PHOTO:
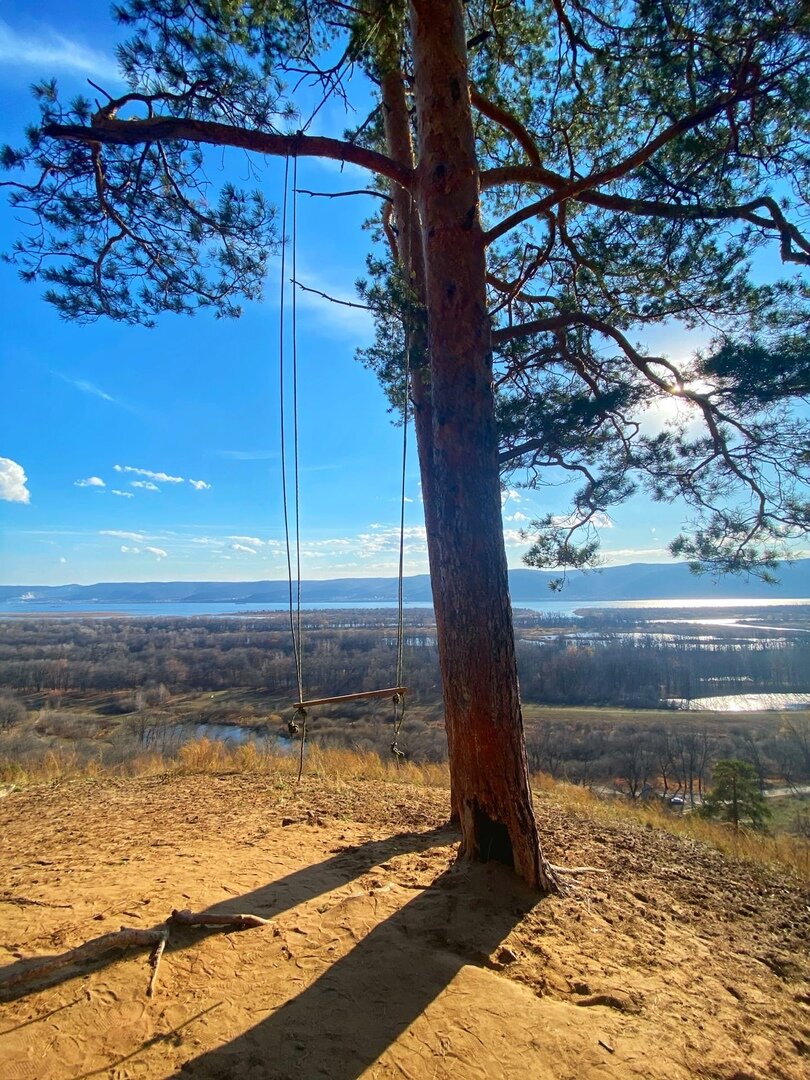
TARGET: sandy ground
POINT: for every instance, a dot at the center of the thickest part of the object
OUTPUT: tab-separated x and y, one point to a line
383	957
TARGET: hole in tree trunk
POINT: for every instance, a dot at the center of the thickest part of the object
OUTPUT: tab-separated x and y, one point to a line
492	839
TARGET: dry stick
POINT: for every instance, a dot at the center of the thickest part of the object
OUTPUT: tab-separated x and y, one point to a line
23	901
204	918
577	869
154	960
128	937
125	938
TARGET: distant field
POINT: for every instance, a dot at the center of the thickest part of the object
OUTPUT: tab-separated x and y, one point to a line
109	690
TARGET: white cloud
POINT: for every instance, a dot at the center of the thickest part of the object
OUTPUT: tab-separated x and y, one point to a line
625	555
91	388
13	481
51	51
200	485
517	516
138	538
123	494
145	485
254	541
160	477
510	495
62	559
90	481
385	540
244	549
159	553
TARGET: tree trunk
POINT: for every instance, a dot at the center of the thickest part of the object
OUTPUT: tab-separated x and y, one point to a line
410	255
465	533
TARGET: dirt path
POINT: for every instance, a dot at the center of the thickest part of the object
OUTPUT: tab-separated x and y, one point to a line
383	958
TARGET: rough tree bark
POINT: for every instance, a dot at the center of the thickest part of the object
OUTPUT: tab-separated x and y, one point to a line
465	536
410	255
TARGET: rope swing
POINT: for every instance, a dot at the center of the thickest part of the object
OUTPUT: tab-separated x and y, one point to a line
298	723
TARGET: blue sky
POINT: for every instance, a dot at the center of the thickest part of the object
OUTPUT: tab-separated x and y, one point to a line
135	454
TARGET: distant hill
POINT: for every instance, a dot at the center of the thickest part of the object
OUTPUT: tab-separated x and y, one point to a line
636	581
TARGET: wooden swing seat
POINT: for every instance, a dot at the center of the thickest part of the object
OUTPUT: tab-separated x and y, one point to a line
391	691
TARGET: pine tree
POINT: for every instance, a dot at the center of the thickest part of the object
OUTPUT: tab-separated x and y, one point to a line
556	177
735	794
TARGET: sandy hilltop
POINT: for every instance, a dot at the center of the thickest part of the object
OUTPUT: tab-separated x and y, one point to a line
383	957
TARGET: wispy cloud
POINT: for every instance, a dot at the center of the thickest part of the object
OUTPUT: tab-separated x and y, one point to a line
157	476
254	541
248	455
90	481
87	387
625	555
50	51
244	549
137	538
13	481
123	494
159	553
160	477
339	319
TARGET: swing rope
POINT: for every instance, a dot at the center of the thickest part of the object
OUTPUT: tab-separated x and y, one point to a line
399	699
397	693
294	606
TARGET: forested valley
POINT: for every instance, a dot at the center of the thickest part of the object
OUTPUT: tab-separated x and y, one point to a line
601	690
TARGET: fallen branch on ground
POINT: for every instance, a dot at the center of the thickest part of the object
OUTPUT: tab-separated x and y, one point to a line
126	938
204	918
578	869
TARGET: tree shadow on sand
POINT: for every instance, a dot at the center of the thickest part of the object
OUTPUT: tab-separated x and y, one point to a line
269	901
363	1002
340	1024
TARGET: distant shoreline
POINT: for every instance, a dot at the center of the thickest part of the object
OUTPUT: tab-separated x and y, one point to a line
671	606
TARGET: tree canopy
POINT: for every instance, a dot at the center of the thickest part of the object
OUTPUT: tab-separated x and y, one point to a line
554	180
635	160
735	794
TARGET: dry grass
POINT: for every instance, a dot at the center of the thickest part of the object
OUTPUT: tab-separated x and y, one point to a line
781	849
212	756
207	756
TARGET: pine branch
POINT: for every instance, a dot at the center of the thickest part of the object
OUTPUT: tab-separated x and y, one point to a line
110	131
